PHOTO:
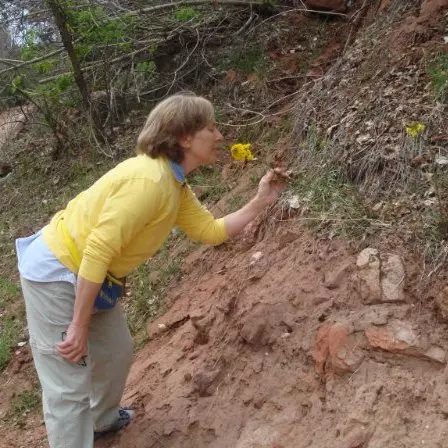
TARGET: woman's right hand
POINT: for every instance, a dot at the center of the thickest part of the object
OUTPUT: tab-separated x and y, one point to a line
74	346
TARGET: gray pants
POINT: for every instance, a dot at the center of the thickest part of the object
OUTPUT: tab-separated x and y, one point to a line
77	399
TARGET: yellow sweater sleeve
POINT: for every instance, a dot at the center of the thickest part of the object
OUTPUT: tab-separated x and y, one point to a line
197	222
130	205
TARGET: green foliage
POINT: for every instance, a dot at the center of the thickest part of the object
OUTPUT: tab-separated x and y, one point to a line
185	14
9	334
250	61
146	68
17	83
438	73
54	92
46	66
95	29
8	291
209	178
149	283
24	403
333	205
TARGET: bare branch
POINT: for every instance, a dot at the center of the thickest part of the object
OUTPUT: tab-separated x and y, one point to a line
185	62
96	64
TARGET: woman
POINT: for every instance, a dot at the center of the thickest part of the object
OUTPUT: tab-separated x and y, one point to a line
81	346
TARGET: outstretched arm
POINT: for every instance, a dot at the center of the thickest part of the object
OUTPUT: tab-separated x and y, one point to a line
200	225
268	191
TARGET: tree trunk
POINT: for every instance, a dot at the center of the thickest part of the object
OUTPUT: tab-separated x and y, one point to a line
60	18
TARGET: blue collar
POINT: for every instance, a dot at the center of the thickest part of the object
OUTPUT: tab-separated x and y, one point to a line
178	171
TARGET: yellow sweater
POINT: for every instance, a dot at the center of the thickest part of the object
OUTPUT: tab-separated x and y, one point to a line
124	218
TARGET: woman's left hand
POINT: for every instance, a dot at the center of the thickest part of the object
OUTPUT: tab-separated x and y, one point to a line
270	187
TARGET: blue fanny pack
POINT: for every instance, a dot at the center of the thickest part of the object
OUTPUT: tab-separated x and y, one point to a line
111	290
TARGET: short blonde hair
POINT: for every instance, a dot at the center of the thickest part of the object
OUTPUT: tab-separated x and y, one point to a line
173	118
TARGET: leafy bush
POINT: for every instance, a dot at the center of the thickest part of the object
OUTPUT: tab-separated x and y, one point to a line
185	14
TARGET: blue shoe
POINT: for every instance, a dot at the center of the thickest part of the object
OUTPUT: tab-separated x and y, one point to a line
125	416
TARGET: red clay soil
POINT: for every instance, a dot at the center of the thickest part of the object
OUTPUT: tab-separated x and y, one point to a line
275	345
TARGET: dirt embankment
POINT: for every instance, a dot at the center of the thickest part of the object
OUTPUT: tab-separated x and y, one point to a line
282	340
291	342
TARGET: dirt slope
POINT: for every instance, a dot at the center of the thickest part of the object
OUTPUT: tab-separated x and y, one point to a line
277	344
282	340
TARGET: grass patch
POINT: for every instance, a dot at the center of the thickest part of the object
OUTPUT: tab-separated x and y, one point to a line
8	291
10	330
149	284
23	404
332	204
438	73
249	60
209	178
185	14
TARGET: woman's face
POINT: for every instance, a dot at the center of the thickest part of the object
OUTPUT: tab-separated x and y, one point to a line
202	147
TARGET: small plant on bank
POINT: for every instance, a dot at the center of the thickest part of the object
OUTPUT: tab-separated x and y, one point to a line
185	14
10	330
438	73
23	404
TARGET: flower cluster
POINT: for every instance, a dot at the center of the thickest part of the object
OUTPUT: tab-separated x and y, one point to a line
242	152
415	129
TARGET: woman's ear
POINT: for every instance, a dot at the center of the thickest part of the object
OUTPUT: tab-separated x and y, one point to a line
185	142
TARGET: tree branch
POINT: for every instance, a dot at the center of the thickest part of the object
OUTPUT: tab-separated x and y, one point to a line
192	2
96	64
33	61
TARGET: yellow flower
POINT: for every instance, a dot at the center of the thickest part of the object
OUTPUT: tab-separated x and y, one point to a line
242	152
415	129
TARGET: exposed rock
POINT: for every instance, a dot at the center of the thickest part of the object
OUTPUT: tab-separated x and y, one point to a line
378	315
392	279
400	337
442	302
436	354
255	257
254	328
367	257
335	350
203	380
369	266
381	279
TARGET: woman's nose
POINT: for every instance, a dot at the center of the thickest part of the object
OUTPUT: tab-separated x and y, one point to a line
218	136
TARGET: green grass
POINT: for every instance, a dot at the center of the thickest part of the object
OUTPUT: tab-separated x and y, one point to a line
250	60
10	329
24	403
332	204
149	284
210	179
438	73
8	291
185	14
